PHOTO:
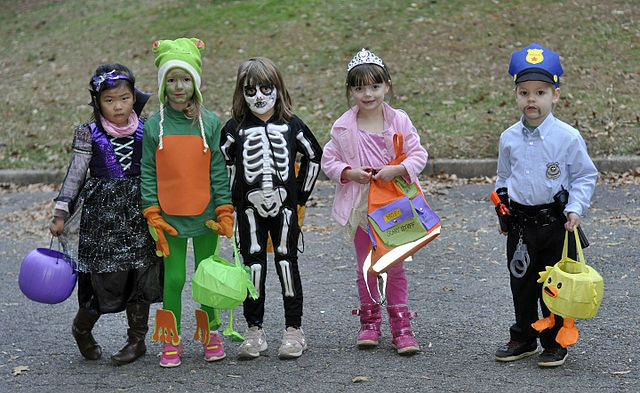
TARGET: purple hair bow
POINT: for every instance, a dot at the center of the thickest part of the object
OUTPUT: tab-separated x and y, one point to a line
108	77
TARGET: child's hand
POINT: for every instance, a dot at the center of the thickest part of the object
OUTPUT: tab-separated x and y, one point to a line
501	231
224	225
361	175
573	220
157	227
57	226
389	172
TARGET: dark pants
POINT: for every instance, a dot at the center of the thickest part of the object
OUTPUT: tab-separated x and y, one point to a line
544	244
286	262
107	293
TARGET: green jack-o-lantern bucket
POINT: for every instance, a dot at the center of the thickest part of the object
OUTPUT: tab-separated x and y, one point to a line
570	288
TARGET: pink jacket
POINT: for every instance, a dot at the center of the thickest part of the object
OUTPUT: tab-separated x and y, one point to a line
342	152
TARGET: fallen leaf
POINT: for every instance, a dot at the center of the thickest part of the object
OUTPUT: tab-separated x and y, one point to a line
359	378
620	372
20	369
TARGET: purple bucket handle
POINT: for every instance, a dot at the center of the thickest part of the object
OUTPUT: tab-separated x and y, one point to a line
65	254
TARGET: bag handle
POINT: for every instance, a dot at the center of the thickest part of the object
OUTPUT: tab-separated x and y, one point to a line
382	282
398	144
236	254
239	264
565	249
62	247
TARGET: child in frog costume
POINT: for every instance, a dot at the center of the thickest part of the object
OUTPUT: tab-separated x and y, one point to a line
185	189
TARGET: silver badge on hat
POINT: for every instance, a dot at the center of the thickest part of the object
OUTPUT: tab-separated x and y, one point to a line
553	170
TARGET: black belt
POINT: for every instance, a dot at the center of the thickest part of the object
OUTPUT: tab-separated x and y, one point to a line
534	216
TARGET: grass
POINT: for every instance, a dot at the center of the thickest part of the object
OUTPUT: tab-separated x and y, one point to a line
448	61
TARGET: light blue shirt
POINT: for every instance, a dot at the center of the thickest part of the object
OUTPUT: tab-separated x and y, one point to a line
533	165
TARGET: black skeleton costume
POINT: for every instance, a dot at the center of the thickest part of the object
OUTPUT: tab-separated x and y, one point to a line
260	158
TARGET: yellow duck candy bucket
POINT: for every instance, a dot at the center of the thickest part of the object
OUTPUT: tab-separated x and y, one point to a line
572	289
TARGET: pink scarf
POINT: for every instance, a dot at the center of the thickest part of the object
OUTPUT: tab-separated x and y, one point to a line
120	131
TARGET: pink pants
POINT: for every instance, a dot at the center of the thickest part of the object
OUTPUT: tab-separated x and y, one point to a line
396	279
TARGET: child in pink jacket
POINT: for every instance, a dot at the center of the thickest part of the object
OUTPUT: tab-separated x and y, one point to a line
360	148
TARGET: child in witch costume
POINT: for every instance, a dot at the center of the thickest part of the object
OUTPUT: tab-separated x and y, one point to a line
185	190
361	146
260	144
539	157
117	266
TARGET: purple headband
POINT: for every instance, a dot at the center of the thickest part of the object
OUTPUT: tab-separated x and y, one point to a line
106	77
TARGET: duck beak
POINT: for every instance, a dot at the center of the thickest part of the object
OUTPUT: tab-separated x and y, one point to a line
551	291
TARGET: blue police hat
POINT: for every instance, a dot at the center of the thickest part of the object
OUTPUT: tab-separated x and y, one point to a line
536	63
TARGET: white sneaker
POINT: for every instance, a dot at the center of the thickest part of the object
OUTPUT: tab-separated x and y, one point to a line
255	341
293	343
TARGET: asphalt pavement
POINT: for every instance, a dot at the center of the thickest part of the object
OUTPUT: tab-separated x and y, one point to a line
458	285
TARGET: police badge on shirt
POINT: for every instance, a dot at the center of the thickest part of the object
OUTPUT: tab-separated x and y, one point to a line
553	170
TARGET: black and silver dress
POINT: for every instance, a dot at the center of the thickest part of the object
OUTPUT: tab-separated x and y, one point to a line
115	254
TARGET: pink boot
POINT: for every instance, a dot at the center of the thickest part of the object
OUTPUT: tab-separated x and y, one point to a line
370	318
399	320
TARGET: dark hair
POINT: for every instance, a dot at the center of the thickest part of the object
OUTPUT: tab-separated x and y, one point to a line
367	74
260	71
95	89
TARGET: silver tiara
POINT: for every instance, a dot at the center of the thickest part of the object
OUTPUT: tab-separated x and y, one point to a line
364	56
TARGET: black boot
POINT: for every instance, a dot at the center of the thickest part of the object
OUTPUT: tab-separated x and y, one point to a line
138	317
81	331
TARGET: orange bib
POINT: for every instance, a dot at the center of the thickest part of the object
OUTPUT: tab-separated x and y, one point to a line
182	169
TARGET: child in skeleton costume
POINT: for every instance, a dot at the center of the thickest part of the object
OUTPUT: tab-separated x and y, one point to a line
185	190
361	144
260	144
117	266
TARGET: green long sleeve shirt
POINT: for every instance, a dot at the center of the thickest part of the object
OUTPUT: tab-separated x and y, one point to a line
175	123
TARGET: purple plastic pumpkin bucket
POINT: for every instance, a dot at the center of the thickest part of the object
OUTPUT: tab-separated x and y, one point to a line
47	276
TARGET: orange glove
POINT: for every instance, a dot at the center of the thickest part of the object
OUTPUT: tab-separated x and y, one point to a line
157	226
224	226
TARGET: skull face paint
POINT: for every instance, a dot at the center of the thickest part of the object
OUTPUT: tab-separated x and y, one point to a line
260	99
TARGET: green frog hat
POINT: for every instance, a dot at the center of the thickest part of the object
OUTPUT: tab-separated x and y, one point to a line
184	53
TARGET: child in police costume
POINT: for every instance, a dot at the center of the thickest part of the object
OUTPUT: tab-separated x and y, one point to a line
539	157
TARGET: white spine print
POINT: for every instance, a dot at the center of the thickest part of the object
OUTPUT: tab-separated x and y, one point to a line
257	157
265	154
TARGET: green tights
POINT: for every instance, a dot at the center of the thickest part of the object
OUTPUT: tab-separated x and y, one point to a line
175	267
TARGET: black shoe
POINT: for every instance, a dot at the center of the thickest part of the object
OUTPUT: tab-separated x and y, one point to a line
138	318
131	351
81	330
553	357
516	350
